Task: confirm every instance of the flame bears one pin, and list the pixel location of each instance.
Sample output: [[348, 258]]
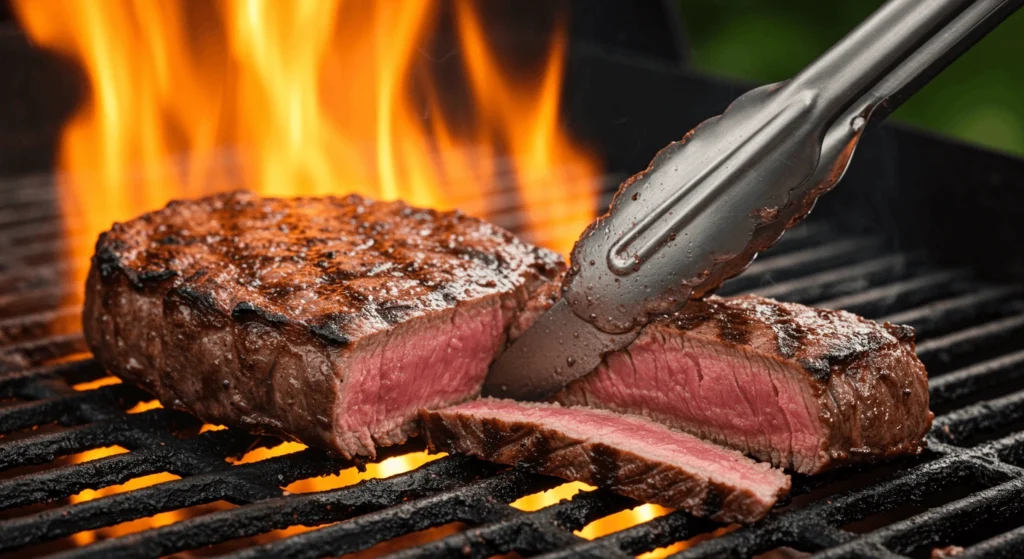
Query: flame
[[304, 97]]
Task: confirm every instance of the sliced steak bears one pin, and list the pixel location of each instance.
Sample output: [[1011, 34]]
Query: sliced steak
[[627, 454], [800, 387], [330, 320]]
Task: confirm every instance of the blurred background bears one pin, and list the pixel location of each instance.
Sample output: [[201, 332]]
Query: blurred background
[[979, 98]]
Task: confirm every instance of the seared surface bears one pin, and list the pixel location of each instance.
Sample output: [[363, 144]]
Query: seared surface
[[308, 317], [803, 388], [626, 454]]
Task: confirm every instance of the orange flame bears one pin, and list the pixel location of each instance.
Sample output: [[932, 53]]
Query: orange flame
[[304, 97]]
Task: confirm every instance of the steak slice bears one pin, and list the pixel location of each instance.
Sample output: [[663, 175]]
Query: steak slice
[[627, 454], [799, 387], [329, 320]]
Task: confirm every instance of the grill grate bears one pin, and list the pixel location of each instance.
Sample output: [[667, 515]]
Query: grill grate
[[967, 489]]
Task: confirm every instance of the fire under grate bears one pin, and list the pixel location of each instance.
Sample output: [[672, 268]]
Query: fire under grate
[[967, 489]]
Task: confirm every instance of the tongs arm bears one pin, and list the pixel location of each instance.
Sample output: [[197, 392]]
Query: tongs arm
[[901, 82], [927, 61], [709, 203]]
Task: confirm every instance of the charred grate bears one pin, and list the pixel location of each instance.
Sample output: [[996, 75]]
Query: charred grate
[[968, 488]]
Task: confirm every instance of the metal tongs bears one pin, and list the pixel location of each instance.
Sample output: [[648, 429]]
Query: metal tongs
[[708, 203]]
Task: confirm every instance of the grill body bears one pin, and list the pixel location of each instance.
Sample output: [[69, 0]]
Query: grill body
[[922, 231]]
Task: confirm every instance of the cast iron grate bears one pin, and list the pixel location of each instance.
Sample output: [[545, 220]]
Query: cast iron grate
[[967, 489]]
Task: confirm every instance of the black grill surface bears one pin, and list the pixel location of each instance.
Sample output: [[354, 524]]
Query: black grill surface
[[967, 489]]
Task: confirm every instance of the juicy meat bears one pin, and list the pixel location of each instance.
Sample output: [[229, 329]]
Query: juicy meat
[[627, 454], [330, 320], [800, 387]]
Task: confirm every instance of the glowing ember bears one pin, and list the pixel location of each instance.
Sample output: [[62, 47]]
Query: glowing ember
[[162, 519]]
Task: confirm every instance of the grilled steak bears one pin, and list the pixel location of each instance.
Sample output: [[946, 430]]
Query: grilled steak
[[628, 454], [802, 388], [330, 320]]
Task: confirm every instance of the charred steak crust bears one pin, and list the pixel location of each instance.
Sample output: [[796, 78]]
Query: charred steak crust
[[261, 312], [625, 454], [837, 388]]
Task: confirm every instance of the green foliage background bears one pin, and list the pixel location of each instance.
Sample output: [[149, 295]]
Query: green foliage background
[[979, 98]]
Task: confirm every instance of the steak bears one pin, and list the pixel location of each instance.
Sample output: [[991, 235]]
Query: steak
[[799, 387], [627, 454], [330, 320]]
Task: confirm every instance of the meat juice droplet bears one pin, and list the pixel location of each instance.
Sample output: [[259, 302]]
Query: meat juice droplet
[[570, 361], [576, 335]]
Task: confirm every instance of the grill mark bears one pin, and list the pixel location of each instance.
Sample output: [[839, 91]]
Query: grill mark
[[434, 425], [713, 500], [521, 438], [490, 435], [818, 368], [393, 313], [331, 333], [640, 477], [197, 299], [734, 325], [790, 335], [307, 242], [245, 311], [156, 276], [604, 461]]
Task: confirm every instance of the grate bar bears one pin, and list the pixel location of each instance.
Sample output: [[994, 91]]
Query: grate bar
[[26, 354], [310, 509], [48, 446], [659, 532], [975, 378], [789, 529], [33, 326], [546, 529], [129, 431], [945, 313], [52, 230], [964, 514], [840, 281], [975, 419], [802, 262], [61, 409], [72, 372], [22, 216], [902, 294], [175, 456], [65, 481], [236, 484], [481, 501], [36, 300], [23, 278], [949, 346]]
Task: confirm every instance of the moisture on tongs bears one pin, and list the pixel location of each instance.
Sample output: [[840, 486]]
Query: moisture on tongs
[[730, 188]]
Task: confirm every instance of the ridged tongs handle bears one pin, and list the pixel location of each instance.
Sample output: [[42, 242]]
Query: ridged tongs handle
[[692, 219], [707, 204]]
